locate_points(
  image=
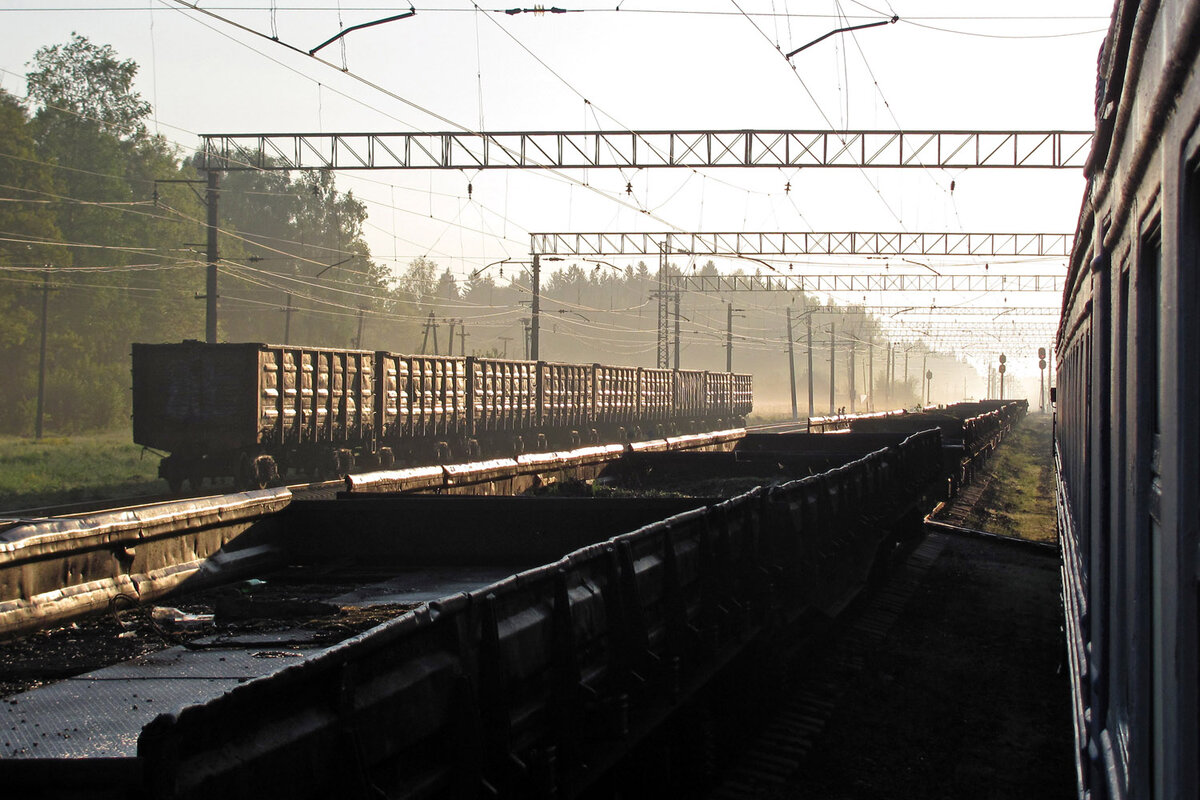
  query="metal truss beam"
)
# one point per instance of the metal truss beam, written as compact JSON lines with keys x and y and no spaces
{"x":766,"y":243}
{"x":907,"y":313}
{"x":868,"y":283}
{"x":647,"y":149}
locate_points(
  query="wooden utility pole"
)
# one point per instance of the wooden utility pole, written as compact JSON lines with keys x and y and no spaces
{"x":210,"y":288}
{"x":430,"y":325}
{"x":358,"y":340}
{"x":811,"y":409}
{"x":462,"y":338}
{"x":832,"y":363}
{"x":791,"y":363}
{"x":450,"y":343}
{"x":506,"y":340}
{"x":41,"y":386}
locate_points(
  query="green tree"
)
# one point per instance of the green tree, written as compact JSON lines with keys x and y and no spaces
{"x":27,"y":218}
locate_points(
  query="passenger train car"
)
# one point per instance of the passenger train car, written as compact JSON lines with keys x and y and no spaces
{"x":255,"y":410}
{"x":1128,"y":415}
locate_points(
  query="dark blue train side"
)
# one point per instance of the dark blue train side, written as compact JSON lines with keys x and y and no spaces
{"x":1128,"y":431}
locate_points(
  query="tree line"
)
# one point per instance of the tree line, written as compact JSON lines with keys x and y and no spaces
{"x":102,"y":224}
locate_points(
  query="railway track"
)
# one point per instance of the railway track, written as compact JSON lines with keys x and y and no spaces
{"x":302,"y":490}
{"x":307,"y":490}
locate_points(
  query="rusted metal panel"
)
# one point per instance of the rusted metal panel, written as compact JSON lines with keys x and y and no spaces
{"x":565,"y":395}
{"x":616,"y":394}
{"x":439,"y":396}
{"x":193,"y":397}
{"x":656,"y":394}
{"x":689,"y":394}
{"x":501,"y":394}
{"x":718,"y":393}
{"x":743,"y":394}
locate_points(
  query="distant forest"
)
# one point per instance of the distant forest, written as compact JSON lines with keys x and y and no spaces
{"x":102,"y":224}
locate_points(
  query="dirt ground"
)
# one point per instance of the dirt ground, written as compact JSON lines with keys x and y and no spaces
{"x":966,"y":697}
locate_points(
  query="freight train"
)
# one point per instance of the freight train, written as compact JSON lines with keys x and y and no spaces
{"x":1128,"y":432}
{"x":255,"y":410}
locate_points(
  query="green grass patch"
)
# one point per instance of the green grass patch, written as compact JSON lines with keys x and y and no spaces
{"x":65,"y":469}
{"x":1019,"y":499}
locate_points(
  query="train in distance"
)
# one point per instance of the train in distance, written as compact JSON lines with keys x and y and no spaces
{"x":255,"y":411}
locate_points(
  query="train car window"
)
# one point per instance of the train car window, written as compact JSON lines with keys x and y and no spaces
{"x":1145,"y":518}
{"x":1188,"y":286}
{"x":1121,"y":598}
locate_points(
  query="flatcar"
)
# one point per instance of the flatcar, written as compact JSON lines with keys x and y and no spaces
{"x":1127,"y":444}
{"x":256,"y":410}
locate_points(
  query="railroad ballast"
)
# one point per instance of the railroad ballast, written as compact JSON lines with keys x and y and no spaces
{"x":256,"y":410}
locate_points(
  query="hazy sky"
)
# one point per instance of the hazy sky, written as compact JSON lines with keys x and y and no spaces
{"x":1027,"y":64}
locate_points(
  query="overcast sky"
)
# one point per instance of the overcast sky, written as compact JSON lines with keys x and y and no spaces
{"x":652,"y":64}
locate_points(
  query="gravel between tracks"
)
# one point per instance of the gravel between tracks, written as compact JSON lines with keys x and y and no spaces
{"x":963,"y":697}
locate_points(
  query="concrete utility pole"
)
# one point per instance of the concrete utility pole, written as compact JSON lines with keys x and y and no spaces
{"x":729,"y":337}
{"x":832,"y":363}
{"x":791,"y":363}
{"x":535,"y":309}
{"x":853,"y":393}
{"x":811,"y":410}
{"x":287,"y":320}
{"x":924,"y":376}
{"x":450,"y":343}
{"x":677,"y":296}
{"x":210,"y":288}
{"x":528,"y":328}
{"x":871,"y":373}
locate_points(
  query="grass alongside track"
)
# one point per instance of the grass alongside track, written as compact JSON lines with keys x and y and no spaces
{"x":64,"y":469}
{"x":1019,"y":498}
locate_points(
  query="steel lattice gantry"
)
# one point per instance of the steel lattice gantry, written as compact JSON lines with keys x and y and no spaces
{"x":867,"y":283}
{"x":768,"y":243}
{"x":646,"y":149}
{"x":764,"y":243}
{"x":557,"y":150}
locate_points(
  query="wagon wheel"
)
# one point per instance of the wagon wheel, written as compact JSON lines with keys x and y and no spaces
{"x":173,"y":473}
{"x":195,"y":475}
{"x":262,"y":472}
